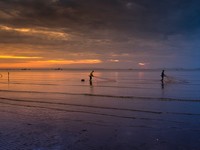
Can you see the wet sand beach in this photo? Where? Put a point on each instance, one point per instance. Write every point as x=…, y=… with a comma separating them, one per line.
x=121, y=110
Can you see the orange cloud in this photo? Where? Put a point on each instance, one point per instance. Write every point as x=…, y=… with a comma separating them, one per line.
x=84, y=61
x=141, y=64
x=47, y=63
x=17, y=57
x=114, y=60
x=42, y=31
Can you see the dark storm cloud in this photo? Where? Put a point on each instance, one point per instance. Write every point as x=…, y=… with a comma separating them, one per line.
x=104, y=26
x=130, y=16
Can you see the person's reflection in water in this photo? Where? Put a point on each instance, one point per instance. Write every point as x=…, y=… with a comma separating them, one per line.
x=90, y=82
x=162, y=85
x=91, y=87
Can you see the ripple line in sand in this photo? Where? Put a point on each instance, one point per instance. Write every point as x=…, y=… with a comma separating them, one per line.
x=94, y=113
x=81, y=105
x=111, y=96
x=91, y=113
x=68, y=110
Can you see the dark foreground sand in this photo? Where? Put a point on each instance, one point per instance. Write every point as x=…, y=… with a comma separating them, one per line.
x=26, y=126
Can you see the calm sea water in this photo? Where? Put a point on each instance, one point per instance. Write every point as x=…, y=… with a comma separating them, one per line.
x=145, y=84
x=135, y=104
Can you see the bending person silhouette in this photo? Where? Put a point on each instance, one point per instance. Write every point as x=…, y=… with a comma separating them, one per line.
x=91, y=75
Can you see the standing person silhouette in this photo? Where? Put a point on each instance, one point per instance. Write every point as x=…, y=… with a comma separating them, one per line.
x=163, y=76
x=91, y=75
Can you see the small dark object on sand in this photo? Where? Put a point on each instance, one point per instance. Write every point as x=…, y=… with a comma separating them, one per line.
x=82, y=80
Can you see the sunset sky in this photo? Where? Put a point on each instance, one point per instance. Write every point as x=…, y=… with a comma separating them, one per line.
x=99, y=34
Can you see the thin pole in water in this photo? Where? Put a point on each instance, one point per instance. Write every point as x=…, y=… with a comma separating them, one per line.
x=8, y=76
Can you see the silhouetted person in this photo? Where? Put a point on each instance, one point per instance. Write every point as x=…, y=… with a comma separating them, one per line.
x=91, y=75
x=163, y=76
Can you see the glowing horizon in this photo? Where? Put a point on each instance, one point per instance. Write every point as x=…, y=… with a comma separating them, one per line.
x=48, y=63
